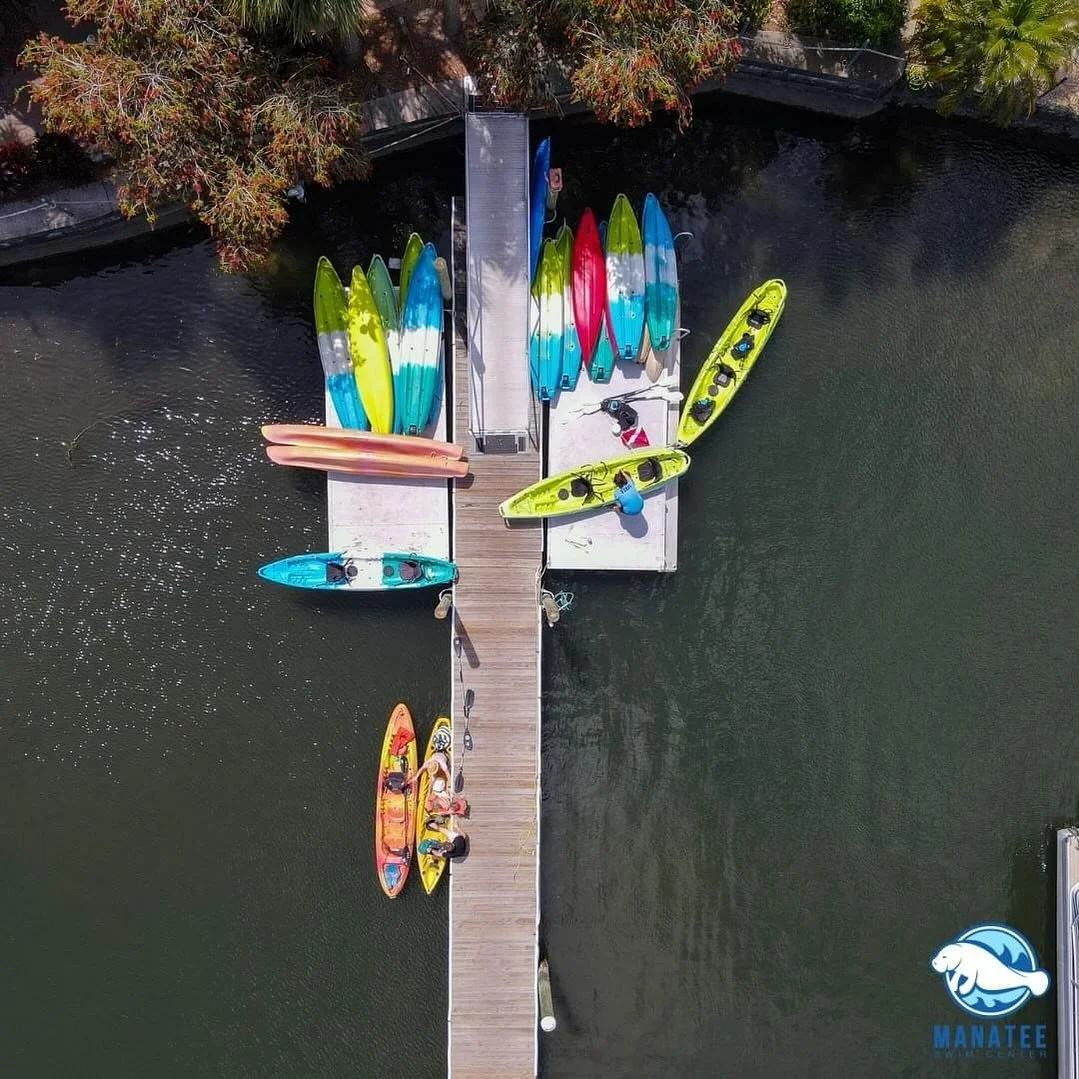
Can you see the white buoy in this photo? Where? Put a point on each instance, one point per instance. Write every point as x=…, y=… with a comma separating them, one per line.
x=546, y=999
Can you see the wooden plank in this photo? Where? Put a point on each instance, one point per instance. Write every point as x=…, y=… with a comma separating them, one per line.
x=494, y=892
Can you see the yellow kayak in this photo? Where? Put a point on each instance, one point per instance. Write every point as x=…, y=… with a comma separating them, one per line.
x=370, y=354
x=592, y=486
x=731, y=359
x=431, y=867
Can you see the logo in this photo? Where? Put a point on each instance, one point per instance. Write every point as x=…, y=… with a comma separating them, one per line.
x=990, y=970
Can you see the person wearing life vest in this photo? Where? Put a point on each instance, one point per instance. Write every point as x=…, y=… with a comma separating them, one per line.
x=627, y=499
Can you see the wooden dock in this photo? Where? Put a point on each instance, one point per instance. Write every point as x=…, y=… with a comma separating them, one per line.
x=494, y=892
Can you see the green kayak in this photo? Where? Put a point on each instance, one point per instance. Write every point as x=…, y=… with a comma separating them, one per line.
x=592, y=486
x=731, y=359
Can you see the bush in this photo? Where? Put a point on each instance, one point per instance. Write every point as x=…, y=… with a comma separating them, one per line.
x=856, y=21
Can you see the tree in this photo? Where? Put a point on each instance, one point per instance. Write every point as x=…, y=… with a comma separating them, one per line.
x=1004, y=53
x=196, y=112
x=625, y=59
x=299, y=19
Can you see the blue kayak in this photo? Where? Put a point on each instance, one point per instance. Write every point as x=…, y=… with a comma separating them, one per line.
x=347, y=571
x=537, y=208
x=421, y=346
x=660, y=276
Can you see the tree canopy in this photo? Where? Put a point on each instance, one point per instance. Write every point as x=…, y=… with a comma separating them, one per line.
x=1002, y=53
x=195, y=111
x=625, y=59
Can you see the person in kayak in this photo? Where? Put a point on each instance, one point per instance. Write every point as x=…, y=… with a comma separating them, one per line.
x=454, y=845
x=437, y=762
x=742, y=346
x=627, y=499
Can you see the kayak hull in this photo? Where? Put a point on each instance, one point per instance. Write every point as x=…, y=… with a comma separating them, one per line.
x=335, y=355
x=660, y=276
x=537, y=204
x=625, y=280
x=362, y=462
x=709, y=397
x=431, y=867
x=571, y=345
x=395, y=810
x=370, y=354
x=305, y=434
x=393, y=571
x=413, y=249
x=545, y=340
x=588, y=285
x=378, y=278
x=421, y=346
x=558, y=496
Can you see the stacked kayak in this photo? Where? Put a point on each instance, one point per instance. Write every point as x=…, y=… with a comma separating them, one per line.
x=351, y=571
x=545, y=342
x=421, y=345
x=731, y=359
x=381, y=347
x=363, y=453
x=331, y=325
x=660, y=276
x=593, y=486
x=537, y=204
x=625, y=280
x=395, y=802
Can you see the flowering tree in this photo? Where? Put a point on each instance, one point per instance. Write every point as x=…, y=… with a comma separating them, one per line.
x=196, y=112
x=625, y=58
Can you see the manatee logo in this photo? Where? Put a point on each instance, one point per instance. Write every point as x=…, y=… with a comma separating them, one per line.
x=990, y=970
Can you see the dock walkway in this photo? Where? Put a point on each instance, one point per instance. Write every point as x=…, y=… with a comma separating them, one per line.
x=494, y=892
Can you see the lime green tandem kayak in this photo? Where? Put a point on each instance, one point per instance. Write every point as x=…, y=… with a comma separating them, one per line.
x=731, y=359
x=592, y=486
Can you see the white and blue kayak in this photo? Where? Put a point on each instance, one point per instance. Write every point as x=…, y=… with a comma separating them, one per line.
x=571, y=341
x=625, y=280
x=350, y=571
x=421, y=345
x=537, y=206
x=660, y=276
x=545, y=340
x=331, y=325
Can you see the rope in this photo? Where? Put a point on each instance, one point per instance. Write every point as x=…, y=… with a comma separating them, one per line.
x=564, y=600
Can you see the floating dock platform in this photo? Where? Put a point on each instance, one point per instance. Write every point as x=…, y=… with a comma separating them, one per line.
x=379, y=514
x=578, y=432
x=495, y=657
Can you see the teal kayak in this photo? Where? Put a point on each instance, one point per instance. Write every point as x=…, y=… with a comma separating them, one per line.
x=347, y=571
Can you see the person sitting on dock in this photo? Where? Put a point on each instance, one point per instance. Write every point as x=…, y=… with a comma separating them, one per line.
x=627, y=499
x=455, y=845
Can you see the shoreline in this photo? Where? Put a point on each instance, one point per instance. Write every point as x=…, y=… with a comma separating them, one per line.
x=84, y=218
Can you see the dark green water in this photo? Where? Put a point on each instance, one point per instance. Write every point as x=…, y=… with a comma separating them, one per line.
x=775, y=783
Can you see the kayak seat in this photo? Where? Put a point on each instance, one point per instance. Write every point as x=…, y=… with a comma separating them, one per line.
x=758, y=318
x=702, y=409
x=336, y=573
x=648, y=471
x=579, y=487
x=395, y=781
x=724, y=375
x=409, y=571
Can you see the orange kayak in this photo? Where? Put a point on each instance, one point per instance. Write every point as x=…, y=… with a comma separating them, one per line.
x=395, y=802
x=307, y=434
x=368, y=462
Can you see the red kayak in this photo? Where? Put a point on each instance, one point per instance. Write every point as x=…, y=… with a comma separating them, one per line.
x=346, y=438
x=589, y=284
x=368, y=462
